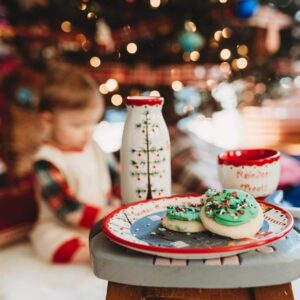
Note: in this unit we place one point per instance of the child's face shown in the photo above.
(74, 128)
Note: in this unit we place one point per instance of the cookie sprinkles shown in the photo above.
(230, 207)
(184, 213)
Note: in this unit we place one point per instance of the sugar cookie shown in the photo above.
(232, 213)
(183, 219)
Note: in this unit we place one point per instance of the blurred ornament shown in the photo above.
(297, 16)
(272, 20)
(266, 16)
(246, 8)
(103, 36)
(115, 115)
(25, 97)
(272, 39)
(191, 41)
(187, 98)
(225, 93)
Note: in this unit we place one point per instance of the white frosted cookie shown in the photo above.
(232, 213)
(183, 219)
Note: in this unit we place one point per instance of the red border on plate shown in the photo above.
(248, 157)
(248, 246)
(144, 100)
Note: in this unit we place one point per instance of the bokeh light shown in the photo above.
(155, 93)
(242, 50)
(95, 61)
(116, 99)
(226, 33)
(66, 26)
(177, 85)
(102, 89)
(111, 84)
(194, 55)
(131, 48)
(155, 3)
(225, 54)
(242, 63)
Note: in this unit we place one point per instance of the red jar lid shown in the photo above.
(144, 100)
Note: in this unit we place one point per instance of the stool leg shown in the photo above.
(118, 291)
(154, 293)
(276, 292)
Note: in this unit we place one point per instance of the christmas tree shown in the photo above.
(131, 46)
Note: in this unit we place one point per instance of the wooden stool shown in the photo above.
(117, 291)
(264, 274)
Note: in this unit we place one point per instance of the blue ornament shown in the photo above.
(246, 8)
(187, 97)
(115, 115)
(191, 41)
(24, 97)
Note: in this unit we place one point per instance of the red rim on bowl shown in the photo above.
(248, 157)
(266, 240)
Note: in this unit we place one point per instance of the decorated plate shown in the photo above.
(278, 199)
(138, 227)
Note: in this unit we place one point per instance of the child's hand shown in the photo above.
(115, 203)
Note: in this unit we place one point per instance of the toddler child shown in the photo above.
(73, 176)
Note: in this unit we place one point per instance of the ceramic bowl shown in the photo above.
(255, 171)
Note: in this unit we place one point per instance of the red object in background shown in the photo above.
(8, 66)
(18, 210)
(289, 172)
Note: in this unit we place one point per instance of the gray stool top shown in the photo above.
(273, 265)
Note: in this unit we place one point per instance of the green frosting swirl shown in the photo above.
(184, 213)
(230, 207)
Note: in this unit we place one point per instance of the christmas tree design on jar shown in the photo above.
(145, 151)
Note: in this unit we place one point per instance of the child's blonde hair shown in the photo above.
(68, 88)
